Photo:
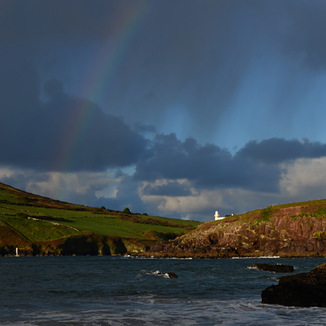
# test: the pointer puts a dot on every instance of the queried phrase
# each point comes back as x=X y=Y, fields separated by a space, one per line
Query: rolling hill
x=38 y=225
x=289 y=230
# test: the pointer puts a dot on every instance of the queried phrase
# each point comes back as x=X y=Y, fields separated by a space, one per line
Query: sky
x=174 y=108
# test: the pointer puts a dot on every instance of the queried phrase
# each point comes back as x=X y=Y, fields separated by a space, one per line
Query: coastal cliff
x=291 y=230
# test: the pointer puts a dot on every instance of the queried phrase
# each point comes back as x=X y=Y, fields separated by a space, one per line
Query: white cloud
x=81 y=187
x=304 y=179
x=185 y=205
x=6 y=173
x=201 y=204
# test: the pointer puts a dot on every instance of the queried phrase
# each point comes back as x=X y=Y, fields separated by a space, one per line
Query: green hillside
x=288 y=230
x=43 y=226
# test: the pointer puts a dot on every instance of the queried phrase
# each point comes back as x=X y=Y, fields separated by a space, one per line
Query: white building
x=218 y=217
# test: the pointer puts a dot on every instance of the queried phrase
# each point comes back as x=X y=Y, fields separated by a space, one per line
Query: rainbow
x=72 y=139
x=103 y=68
x=112 y=54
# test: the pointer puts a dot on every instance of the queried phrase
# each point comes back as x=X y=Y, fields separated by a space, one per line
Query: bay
x=135 y=291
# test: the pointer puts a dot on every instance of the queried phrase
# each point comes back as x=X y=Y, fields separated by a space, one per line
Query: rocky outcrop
x=282 y=231
x=303 y=290
x=275 y=268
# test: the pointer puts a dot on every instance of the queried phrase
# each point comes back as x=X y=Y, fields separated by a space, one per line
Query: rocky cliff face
x=298 y=231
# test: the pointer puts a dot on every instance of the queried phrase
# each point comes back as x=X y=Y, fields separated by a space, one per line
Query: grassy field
x=39 y=219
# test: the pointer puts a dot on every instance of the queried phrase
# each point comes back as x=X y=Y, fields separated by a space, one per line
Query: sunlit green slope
x=29 y=221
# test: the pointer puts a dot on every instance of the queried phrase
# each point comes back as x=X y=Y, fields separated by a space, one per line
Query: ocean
x=136 y=291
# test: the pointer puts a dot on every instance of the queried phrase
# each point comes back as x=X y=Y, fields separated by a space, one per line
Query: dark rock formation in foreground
x=276 y=268
x=302 y=290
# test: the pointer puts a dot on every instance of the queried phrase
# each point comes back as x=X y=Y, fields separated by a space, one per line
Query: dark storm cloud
x=255 y=167
x=277 y=150
x=205 y=166
x=64 y=133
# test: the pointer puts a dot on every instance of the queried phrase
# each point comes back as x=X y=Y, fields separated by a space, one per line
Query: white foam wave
x=260 y=257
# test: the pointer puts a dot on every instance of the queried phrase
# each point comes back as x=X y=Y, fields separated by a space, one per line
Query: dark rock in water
x=168 y=275
x=302 y=290
x=278 y=268
x=172 y=275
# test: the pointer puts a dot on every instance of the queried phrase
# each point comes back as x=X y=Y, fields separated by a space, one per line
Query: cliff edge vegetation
x=289 y=230
x=35 y=225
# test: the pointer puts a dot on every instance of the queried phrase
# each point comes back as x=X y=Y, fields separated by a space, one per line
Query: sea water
x=135 y=291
